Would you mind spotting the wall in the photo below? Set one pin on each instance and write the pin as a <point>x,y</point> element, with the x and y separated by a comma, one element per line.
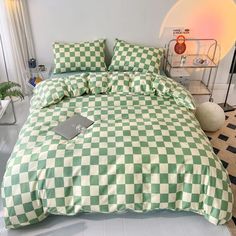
<point>137,21</point>
<point>79,20</point>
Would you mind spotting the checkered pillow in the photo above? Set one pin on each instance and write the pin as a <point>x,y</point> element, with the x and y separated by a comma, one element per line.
<point>77,84</point>
<point>128,57</point>
<point>142,83</point>
<point>50,92</point>
<point>162,86</point>
<point>119,82</point>
<point>183,97</point>
<point>87,56</point>
<point>98,82</point>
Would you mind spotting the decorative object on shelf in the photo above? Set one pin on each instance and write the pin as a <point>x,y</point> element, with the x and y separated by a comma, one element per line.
<point>33,81</point>
<point>42,67</point>
<point>180,46</point>
<point>210,116</point>
<point>32,63</point>
<point>183,60</point>
<point>200,61</point>
<point>225,106</point>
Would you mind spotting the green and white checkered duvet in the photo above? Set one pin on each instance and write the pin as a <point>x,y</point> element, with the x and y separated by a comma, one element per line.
<point>142,153</point>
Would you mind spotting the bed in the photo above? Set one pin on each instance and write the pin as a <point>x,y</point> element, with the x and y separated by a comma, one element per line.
<point>144,152</point>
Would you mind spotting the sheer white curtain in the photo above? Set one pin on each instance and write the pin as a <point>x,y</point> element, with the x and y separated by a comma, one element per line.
<point>17,39</point>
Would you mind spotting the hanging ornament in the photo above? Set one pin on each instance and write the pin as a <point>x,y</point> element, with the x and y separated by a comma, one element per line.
<point>180,45</point>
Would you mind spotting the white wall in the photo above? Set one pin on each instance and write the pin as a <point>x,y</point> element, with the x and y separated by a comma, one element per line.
<point>80,20</point>
<point>137,21</point>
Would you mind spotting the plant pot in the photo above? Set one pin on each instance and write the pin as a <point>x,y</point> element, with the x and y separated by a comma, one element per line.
<point>0,105</point>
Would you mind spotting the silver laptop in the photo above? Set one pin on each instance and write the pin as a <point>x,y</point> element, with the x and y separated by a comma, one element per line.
<point>73,126</point>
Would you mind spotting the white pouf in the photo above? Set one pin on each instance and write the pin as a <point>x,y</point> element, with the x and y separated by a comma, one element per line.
<point>210,116</point>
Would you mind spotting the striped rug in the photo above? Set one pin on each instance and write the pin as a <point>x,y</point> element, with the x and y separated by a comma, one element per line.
<point>224,145</point>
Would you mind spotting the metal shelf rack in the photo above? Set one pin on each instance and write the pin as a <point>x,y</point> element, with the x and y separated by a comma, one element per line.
<point>205,49</point>
<point>10,101</point>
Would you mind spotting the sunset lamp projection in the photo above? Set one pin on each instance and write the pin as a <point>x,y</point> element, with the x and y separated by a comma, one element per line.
<point>205,19</point>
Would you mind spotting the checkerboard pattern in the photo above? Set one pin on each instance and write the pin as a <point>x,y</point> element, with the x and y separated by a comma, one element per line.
<point>142,153</point>
<point>98,82</point>
<point>50,92</point>
<point>119,82</point>
<point>163,85</point>
<point>77,85</point>
<point>129,57</point>
<point>142,83</point>
<point>87,56</point>
<point>166,87</point>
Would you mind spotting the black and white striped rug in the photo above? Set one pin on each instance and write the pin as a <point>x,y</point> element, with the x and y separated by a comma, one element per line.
<point>224,145</point>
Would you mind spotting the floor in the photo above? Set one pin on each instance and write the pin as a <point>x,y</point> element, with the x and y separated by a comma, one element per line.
<point>9,134</point>
<point>219,96</point>
<point>224,145</point>
<point>161,222</point>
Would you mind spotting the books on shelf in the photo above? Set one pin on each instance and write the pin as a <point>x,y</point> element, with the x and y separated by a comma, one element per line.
<point>34,81</point>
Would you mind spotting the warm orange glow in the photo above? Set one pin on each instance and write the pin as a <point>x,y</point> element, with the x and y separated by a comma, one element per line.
<point>205,19</point>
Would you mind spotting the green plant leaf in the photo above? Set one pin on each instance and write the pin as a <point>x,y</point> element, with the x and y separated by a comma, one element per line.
<point>9,89</point>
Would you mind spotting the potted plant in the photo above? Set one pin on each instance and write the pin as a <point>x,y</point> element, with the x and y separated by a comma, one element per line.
<point>9,89</point>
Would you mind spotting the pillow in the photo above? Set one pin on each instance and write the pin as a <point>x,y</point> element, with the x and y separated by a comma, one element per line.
<point>142,83</point>
<point>87,56</point>
<point>77,84</point>
<point>129,57</point>
<point>166,87</point>
<point>162,85</point>
<point>50,92</point>
<point>183,97</point>
<point>98,82</point>
<point>119,82</point>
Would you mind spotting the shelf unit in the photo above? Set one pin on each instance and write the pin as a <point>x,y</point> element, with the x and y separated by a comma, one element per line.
<point>206,50</point>
<point>36,72</point>
<point>4,105</point>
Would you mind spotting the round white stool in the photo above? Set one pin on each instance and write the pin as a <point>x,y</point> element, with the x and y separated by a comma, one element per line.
<point>210,116</point>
